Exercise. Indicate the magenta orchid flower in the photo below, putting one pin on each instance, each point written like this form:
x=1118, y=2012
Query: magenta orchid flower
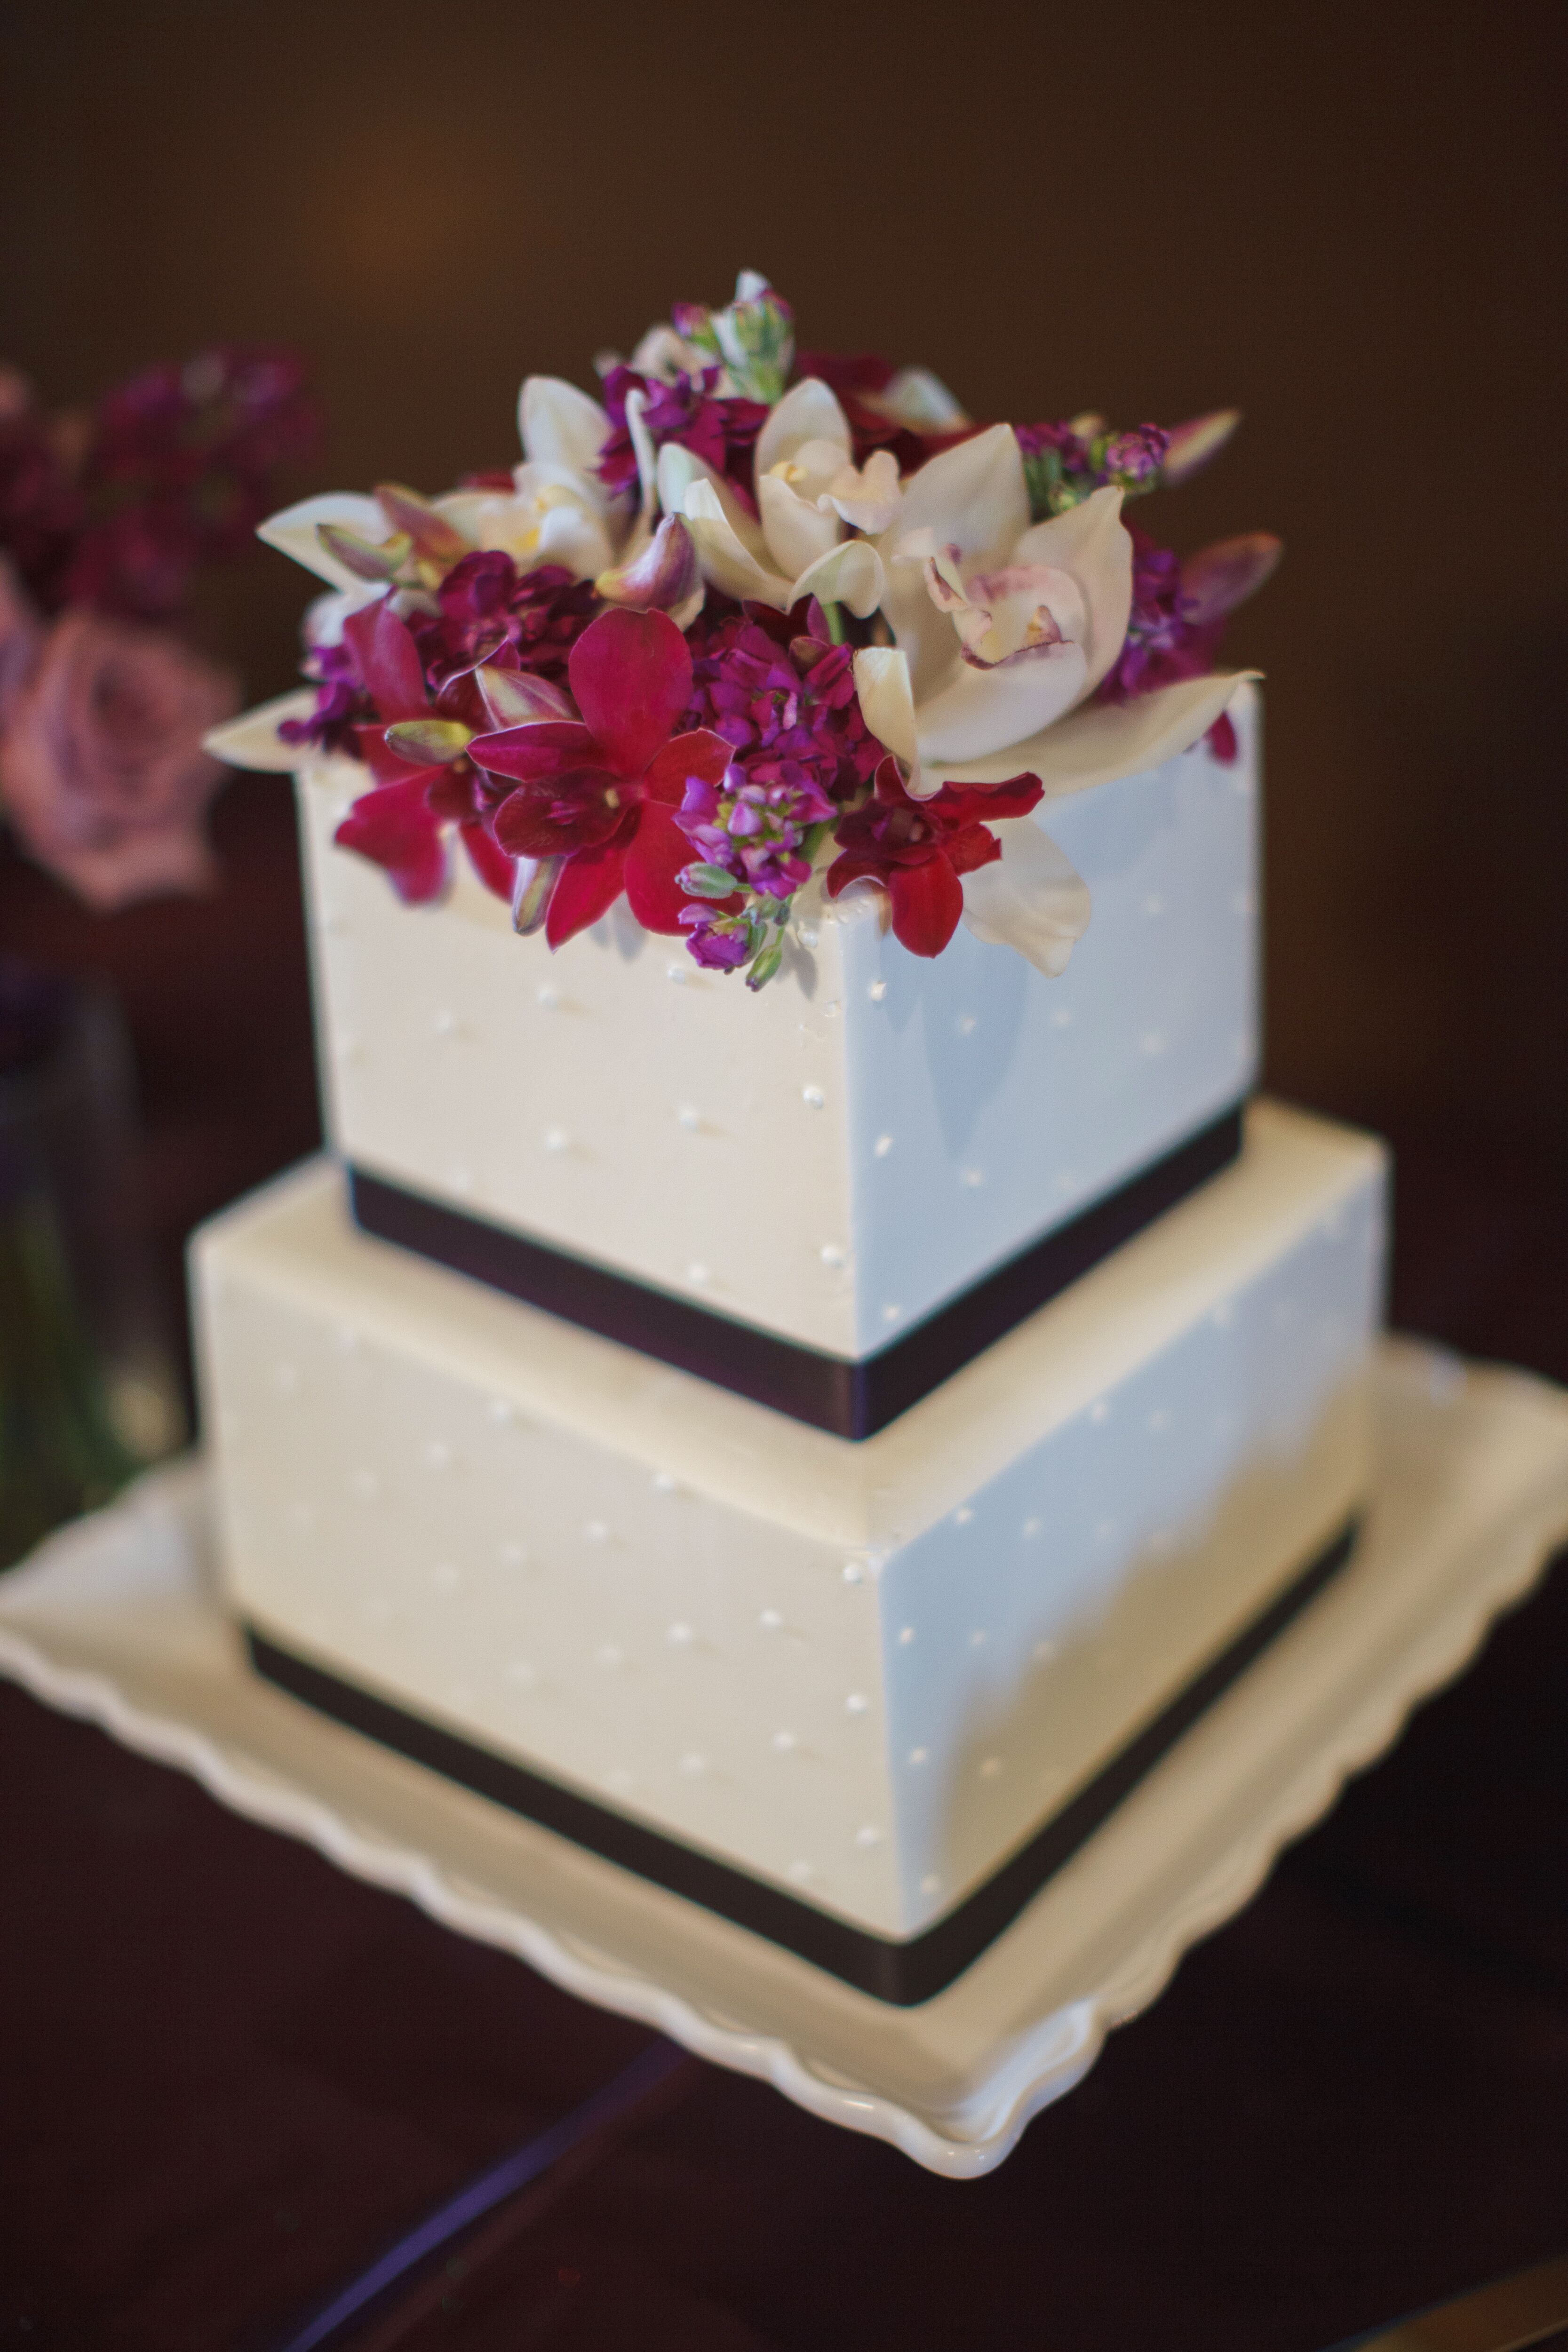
x=919, y=850
x=424, y=780
x=602, y=792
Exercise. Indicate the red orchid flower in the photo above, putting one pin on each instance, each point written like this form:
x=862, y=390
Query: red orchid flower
x=602, y=792
x=918, y=849
x=419, y=790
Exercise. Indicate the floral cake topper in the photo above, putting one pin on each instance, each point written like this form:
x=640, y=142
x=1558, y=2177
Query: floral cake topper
x=752, y=616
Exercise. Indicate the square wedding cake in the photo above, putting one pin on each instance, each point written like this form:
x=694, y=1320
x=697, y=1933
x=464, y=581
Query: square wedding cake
x=808, y=1376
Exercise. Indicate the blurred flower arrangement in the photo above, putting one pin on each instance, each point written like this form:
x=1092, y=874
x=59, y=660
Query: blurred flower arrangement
x=751, y=618
x=108, y=519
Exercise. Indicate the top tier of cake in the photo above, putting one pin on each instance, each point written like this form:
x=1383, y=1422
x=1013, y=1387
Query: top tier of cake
x=833, y=1159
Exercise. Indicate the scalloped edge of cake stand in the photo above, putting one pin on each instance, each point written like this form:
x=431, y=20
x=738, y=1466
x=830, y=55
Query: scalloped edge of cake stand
x=117, y=1619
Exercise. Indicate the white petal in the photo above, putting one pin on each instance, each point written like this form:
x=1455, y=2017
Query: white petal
x=1104, y=740
x=324, y=616
x=870, y=499
x=921, y=400
x=850, y=573
x=567, y=535
x=796, y=531
x=664, y=576
x=251, y=739
x=887, y=705
x=648, y=460
x=554, y=517
x=463, y=508
x=987, y=710
x=293, y=533
x=727, y=562
x=1092, y=542
x=491, y=517
x=972, y=498
x=811, y=469
x=1030, y=898
x=680, y=468
x=542, y=479
x=560, y=426
x=663, y=355
x=808, y=411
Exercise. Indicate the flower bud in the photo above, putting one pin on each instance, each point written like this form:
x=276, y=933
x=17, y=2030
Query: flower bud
x=428, y=742
x=1190, y=447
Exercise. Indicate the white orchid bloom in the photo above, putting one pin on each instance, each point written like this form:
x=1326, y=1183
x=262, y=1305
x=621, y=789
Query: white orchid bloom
x=557, y=510
x=794, y=546
x=1004, y=629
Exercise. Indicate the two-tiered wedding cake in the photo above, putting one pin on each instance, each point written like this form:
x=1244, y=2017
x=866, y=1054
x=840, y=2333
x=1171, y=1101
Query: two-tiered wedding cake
x=815, y=1436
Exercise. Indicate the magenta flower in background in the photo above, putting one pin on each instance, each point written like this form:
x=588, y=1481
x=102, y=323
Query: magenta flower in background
x=42, y=512
x=103, y=774
x=121, y=506
x=178, y=471
x=106, y=516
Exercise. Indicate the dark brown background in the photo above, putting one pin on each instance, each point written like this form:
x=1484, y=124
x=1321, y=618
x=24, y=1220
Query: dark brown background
x=1345, y=219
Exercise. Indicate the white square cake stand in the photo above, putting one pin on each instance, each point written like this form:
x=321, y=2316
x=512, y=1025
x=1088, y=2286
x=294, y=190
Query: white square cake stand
x=117, y=1619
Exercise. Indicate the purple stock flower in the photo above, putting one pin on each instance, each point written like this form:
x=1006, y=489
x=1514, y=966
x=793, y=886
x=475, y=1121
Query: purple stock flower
x=719, y=942
x=783, y=700
x=1134, y=459
x=1179, y=612
x=722, y=431
x=1070, y=448
x=489, y=612
x=755, y=829
x=341, y=702
x=782, y=696
x=1064, y=463
x=1165, y=642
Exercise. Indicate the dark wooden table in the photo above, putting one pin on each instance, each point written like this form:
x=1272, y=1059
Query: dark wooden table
x=229, y=2074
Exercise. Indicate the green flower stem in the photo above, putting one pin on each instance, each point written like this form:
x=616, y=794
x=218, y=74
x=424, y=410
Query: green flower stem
x=58, y=1452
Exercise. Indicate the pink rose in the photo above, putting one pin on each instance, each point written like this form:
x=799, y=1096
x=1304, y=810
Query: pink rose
x=20, y=628
x=103, y=774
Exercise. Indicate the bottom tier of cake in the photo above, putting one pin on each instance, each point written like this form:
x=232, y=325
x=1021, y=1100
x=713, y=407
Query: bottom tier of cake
x=863, y=1697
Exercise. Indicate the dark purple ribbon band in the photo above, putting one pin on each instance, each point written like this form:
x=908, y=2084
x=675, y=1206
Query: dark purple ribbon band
x=849, y=1399
x=899, y=1973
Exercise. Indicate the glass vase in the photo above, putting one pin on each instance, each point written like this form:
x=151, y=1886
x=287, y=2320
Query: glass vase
x=87, y=1391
